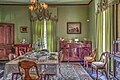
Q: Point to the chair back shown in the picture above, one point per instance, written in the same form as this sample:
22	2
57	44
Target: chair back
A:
104	57
26	66
93	53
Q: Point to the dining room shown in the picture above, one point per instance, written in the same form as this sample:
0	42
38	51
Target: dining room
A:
59	39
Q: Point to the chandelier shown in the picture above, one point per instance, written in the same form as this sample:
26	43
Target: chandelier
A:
40	9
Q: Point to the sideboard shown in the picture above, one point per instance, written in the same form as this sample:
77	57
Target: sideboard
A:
75	51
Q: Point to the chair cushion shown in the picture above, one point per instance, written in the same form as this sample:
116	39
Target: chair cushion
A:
97	64
87	58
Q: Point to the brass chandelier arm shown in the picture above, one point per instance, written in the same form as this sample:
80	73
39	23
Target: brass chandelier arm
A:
40	9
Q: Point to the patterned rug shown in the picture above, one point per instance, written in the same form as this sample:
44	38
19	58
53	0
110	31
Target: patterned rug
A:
72	72
68	72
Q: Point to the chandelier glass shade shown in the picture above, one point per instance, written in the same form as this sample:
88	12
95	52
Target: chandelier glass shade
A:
40	9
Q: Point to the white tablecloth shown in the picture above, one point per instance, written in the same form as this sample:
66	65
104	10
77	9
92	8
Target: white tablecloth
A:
12	66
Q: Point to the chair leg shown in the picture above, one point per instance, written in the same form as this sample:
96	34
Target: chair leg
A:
16	77
12	76
44	76
92	69
106	73
97	74
86	65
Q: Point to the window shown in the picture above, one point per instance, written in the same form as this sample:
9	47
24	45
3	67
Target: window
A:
45	34
103	31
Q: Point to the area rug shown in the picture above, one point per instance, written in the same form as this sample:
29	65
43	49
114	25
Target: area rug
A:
67	72
72	72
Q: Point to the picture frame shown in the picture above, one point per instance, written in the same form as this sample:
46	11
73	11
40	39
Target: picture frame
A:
73	27
23	29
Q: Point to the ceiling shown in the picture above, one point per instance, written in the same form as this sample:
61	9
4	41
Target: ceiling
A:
46	1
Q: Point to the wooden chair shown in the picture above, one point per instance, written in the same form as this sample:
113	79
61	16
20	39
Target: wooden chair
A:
12	54
21	49
24	68
88	59
101	64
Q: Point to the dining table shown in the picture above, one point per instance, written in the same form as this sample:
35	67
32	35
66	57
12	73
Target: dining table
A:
41	60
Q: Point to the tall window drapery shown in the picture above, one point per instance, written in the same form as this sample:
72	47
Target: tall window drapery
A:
99	37
104	28
44	34
108	28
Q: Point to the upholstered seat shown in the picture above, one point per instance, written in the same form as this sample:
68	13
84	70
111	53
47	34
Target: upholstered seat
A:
97	64
87	58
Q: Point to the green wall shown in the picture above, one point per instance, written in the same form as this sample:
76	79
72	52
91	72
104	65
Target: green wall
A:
119	20
19	15
118	25
92	24
72	14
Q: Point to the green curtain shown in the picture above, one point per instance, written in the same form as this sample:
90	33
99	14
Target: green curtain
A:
51	36
107	30
112	36
38	34
99	37
38	30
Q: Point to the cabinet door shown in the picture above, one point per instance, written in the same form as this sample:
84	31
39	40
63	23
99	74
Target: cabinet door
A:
8	39
9	34
2	38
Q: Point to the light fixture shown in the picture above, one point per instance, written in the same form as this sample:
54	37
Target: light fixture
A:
40	9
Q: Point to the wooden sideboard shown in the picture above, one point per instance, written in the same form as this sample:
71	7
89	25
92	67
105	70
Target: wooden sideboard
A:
75	51
21	49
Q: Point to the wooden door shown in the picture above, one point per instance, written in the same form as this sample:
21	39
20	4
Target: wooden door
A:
6	40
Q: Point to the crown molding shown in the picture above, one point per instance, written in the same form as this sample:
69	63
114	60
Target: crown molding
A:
48	4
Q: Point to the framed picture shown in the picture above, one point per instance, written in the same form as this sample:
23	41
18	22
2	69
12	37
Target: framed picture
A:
23	29
73	27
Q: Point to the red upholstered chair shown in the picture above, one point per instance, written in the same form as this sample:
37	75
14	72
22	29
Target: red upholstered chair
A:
90	58
101	64
24	68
